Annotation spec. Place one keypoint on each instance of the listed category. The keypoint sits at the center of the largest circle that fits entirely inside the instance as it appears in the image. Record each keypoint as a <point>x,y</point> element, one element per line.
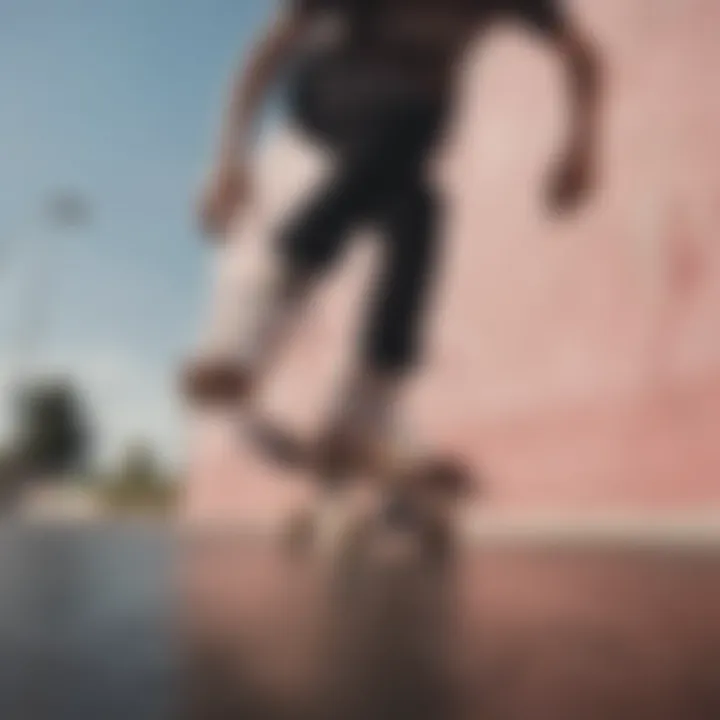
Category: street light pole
<point>63,211</point>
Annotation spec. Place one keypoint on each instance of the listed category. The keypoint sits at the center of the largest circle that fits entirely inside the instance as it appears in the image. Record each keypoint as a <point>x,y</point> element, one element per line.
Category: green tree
<point>139,482</point>
<point>10,478</point>
<point>53,432</point>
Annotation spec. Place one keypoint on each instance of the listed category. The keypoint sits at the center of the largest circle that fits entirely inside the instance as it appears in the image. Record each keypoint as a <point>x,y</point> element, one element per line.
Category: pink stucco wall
<point>575,362</point>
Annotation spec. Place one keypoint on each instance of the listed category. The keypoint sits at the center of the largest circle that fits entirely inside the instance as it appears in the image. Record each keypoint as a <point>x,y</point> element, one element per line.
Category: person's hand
<point>571,183</point>
<point>223,196</point>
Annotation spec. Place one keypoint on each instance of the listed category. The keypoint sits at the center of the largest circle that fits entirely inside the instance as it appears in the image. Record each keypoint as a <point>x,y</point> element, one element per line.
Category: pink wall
<point>575,362</point>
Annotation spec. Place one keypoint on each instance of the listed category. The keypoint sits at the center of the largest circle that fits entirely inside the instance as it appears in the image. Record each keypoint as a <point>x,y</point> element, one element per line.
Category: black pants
<point>380,178</point>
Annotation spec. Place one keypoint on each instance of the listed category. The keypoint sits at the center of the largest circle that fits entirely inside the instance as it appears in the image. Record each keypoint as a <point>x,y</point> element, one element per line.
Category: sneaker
<point>215,382</point>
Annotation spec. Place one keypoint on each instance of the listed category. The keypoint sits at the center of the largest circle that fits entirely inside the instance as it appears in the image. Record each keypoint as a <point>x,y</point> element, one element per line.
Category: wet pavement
<point>86,623</point>
<point>495,634</point>
<point>134,621</point>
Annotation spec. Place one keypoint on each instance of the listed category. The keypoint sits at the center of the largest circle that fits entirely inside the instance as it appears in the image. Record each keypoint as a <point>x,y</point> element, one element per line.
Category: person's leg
<point>364,428</point>
<point>393,339</point>
<point>405,210</point>
<point>370,171</point>
<point>253,303</point>
<point>273,295</point>
<point>419,489</point>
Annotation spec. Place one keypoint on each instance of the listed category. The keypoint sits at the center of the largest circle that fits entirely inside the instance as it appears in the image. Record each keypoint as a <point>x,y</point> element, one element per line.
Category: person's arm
<point>253,79</point>
<point>248,90</point>
<point>581,61</point>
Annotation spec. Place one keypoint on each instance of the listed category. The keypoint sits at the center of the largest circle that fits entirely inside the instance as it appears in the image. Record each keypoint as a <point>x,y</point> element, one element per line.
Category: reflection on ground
<point>145,624</point>
<point>496,635</point>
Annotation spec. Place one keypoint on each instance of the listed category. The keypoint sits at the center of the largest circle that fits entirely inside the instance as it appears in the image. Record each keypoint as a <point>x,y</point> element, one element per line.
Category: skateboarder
<point>371,81</point>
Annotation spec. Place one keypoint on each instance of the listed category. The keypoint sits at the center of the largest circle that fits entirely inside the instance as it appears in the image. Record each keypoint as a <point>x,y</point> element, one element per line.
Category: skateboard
<point>418,501</point>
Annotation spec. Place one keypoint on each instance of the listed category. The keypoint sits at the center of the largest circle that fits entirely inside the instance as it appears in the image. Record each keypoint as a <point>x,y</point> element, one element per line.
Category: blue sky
<point>119,100</point>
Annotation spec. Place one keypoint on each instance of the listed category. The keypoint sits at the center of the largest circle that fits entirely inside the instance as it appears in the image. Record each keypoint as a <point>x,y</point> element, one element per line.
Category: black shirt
<point>407,47</point>
<point>541,15</point>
